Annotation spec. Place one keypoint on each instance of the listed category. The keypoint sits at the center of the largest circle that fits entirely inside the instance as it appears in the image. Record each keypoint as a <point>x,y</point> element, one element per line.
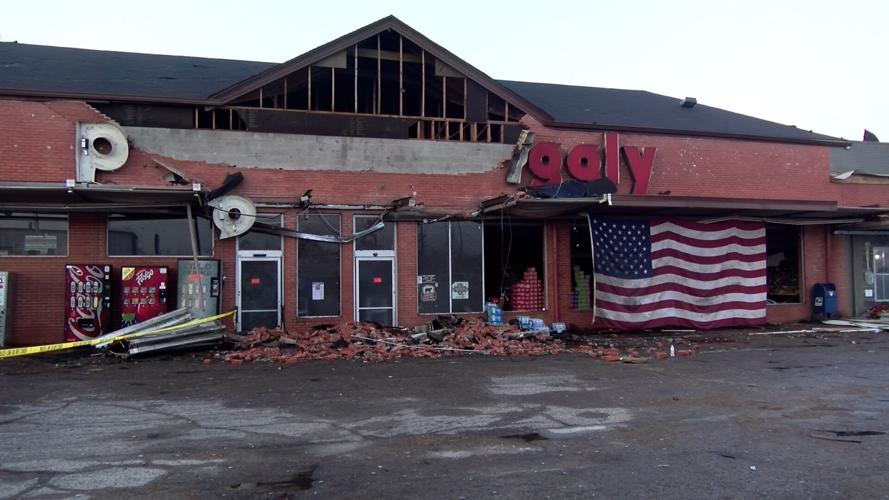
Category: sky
<point>818,65</point>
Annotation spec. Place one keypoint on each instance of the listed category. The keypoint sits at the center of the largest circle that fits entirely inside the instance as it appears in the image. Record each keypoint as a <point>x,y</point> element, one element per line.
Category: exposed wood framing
<point>285,92</point>
<point>309,105</point>
<point>379,77</point>
<point>400,75</point>
<point>260,98</point>
<point>465,98</point>
<point>356,78</point>
<point>332,89</point>
<point>444,97</point>
<point>213,119</point>
<point>423,84</point>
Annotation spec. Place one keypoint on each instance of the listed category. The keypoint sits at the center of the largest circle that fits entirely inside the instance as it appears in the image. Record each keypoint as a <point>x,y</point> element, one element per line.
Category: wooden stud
<point>444,97</point>
<point>285,92</point>
<point>197,123</point>
<point>333,89</point>
<point>461,130</point>
<point>260,97</point>
<point>356,78</point>
<point>465,96</point>
<point>379,78</point>
<point>231,119</point>
<point>213,119</point>
<point>400,75</point>
<point>309,106</point>
<point>423,83</point>
<point>505,110</point>
<point>447,131</point>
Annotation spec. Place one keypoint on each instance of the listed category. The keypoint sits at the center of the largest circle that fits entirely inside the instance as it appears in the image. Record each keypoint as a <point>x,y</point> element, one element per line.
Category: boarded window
<point>318,267</point>
<point>28,233</point>
<point>450,267</point>
<point>157,235</point>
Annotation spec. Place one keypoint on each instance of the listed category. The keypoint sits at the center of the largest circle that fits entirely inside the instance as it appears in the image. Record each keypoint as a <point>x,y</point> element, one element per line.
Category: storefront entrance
<point>375,289</point>
<point>259,277</point>
<point>375,292</point>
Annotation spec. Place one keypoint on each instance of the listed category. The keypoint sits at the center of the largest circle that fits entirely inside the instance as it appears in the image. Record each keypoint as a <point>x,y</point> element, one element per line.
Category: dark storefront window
<point>784,272</point>
<point>28,233</point>
<point>134,234</point>
<point>449,267</point>
<point>318,267</point>
<point>581,266</point>
<point>514,265</point>
<point>258,241</point>
<point>382,239</point>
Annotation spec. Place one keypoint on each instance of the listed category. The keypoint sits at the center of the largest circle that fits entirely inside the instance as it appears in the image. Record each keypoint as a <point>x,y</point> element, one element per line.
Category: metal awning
<point>83,197</point>
<point>802,212</point>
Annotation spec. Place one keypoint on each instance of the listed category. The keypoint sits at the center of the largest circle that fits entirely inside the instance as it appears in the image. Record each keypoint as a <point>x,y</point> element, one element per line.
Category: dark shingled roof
<point>862,157</point>
<point>67,72</point>
<point>99,72</point>
<point>645,111</point>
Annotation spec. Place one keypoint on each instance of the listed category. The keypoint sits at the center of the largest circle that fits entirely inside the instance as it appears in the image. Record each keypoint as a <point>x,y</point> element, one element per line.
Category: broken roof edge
<point>833,142</point>
<point>45,95</point>
<point>389,22</point>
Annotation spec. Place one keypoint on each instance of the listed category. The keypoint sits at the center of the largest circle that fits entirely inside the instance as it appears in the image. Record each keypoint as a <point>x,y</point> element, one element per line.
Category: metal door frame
<point>385,258</point>
<point>265,258</point>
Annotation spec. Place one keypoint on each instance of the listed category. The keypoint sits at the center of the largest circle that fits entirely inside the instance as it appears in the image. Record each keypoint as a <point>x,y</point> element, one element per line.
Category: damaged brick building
<point>380,177</point>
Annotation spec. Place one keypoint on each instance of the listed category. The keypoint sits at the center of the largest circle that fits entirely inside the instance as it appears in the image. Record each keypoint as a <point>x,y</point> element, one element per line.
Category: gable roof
<point>45,71</point>
<point>67,72</point>
<point>347,41</point>
<point>641,111</point>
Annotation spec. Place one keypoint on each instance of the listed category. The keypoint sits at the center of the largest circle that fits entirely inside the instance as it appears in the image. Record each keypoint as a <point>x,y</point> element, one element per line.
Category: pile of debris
<point>372,343</point>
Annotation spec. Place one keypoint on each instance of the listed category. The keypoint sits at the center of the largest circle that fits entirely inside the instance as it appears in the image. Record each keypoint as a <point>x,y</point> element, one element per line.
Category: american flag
<point>654,273</point>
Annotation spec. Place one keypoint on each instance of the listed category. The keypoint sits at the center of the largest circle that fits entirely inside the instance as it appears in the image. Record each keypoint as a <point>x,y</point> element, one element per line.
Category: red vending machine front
<point>87,300</point>
<point>143,294</point>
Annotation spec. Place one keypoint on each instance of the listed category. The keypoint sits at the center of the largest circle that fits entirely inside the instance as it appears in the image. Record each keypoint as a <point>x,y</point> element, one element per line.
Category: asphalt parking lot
<point>803,416</point>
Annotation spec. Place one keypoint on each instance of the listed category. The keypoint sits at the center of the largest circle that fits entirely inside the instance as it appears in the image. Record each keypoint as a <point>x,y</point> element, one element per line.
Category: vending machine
<point>87,300</point>
<point>143,294</point>
<point>198,287</point>
<point>5,300</point>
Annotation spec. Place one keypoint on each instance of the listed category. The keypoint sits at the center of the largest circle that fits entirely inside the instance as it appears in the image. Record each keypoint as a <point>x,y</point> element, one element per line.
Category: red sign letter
<point>583,162</point>
<point>545,162</point>
<point>640,166</point>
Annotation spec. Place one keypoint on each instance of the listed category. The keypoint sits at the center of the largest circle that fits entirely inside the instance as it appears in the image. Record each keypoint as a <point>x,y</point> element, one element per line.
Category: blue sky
<point>815,64</point>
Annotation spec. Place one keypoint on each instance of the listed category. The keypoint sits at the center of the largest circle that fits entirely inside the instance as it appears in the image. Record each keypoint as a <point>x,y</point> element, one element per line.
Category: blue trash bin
<point>824,301</point>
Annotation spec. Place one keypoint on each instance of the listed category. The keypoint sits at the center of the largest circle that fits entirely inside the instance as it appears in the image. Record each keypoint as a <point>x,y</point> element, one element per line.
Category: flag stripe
<point>735,227</point>
<point>678,314</point>
<point>708,251</point>
<point>678,287</point>
<point>672,264</point>
<point>698,280</point>
<point>679,301</point>
<point>704,259</point>
<point>703,234</point>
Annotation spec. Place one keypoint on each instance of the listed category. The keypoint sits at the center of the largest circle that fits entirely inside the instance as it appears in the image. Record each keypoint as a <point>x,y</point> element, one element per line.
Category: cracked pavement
<point>789,417</point>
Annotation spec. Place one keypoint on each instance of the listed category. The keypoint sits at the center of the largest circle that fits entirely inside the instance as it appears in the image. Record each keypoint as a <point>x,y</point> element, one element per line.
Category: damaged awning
<point>83,197</point>
<point>801,212</point>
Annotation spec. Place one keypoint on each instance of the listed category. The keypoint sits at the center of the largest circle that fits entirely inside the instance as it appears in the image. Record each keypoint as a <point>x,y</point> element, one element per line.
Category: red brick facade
<point>39,146</point>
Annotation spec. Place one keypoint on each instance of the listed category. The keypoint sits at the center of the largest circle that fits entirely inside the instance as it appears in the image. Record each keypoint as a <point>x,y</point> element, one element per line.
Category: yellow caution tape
<point>24,351</point>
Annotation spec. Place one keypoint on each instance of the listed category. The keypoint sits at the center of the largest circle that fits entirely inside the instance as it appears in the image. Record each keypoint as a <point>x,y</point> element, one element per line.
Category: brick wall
<point>40,146</point>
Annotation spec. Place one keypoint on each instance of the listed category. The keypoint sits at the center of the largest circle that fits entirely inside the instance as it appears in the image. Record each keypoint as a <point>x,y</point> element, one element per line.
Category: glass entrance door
<point>259,292</point>
<point>375,290</point>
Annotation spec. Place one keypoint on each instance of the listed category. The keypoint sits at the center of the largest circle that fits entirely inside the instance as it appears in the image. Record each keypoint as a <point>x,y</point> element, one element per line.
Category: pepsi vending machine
<point>198,287</point>
<point>87,300</point>
<point>143,294</point>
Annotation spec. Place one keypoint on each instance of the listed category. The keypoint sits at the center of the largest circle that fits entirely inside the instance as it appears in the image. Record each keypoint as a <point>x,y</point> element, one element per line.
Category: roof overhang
<point>83,197</point>
<point>802,212</point>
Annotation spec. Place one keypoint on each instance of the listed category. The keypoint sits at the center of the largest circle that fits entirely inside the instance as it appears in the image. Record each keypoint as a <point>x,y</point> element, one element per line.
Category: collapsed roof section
<point>383,80</point>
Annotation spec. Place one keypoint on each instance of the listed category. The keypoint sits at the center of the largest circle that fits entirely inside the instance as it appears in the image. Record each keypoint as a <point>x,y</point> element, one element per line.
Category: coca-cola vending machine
<point>87,300</point>
<point>143,294</point>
